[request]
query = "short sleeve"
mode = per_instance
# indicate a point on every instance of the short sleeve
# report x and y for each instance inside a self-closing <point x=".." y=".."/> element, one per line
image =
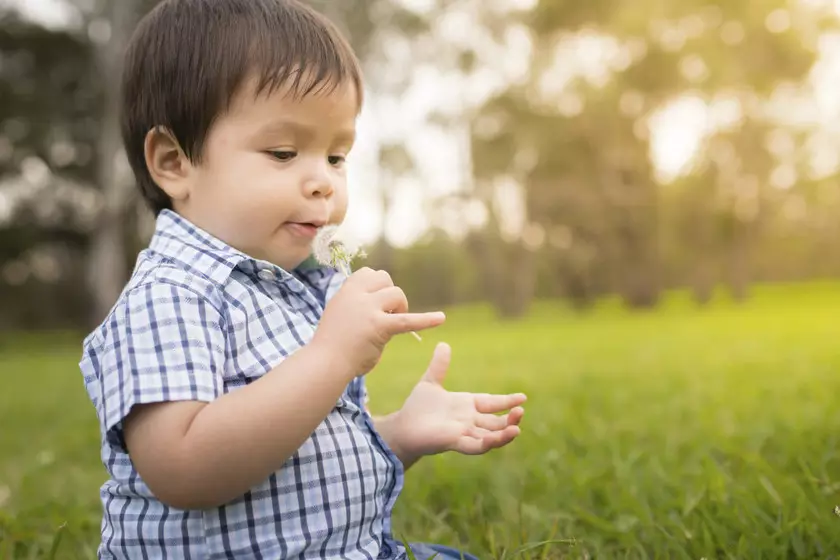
<point x="164" y="342"/>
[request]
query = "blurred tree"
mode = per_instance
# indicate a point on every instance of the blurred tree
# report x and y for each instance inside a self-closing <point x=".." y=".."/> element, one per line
<point x="109" y="28"/>
<point x="576" y="136"/>
<point x="558" y="102"/>
<point x="47" y="147"/>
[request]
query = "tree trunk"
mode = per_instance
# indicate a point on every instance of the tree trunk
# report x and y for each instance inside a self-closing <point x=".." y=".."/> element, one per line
<point x="518" y="281"/>
<point x="640" y="284"/>
<point x="703" y="280"/>
<point x="739" y="265"/>
<point x="107" y="257"/>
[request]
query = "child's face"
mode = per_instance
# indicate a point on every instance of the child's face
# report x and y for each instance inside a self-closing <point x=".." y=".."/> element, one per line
<point x="273" y="171"/>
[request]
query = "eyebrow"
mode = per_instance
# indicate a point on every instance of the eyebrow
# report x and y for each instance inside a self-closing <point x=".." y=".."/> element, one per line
<point x="301" y="130"/>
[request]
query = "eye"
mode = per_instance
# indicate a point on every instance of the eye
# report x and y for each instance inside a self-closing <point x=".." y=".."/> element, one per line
<point x="336" y="160"/>
<point x="283" y="155"/>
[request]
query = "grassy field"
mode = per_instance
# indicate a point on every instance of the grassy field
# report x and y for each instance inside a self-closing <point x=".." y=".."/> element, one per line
<point x="683" y="433"/>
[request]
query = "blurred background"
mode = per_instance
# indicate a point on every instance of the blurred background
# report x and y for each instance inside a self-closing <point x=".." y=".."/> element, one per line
<point x="629" y="209"/>
<point x="510" y="150"/>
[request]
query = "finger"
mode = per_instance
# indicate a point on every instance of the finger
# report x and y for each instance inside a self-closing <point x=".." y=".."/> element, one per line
<point x="392" y="300"/>
<point x="361" y="274"/>
<point x="497" y="403"/>
<point x="514" y="417"/>
<point x="371" y="280"/>
<point x="378" y="280"/>
<point x="494" y="423"/>
<point x="491" y="422"/>
<point x="502" y="438"/>
<point x="398" y="323"/>
<point x="476" y="432"/>
<point x="439" y="365"/>
<point x="470" y="445"/>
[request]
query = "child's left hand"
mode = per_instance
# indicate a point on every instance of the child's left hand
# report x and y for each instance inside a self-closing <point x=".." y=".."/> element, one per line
<point x="434" y="420"/>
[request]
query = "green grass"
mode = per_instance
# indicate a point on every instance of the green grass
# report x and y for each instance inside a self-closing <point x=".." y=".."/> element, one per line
<point x="680" y="433"/>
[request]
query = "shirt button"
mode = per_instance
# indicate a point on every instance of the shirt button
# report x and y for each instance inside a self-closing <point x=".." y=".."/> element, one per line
<point x="266" y="275"/>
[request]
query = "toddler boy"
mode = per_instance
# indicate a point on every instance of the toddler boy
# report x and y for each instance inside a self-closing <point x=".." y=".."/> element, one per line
<point x="228" y="379"/>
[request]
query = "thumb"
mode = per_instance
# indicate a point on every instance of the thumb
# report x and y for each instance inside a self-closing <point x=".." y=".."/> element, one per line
<point x="439" y="365"/>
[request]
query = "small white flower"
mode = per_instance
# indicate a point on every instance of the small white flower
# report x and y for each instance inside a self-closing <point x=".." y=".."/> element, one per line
<point x="321" y="245"/>
<point x="329" y="251"/>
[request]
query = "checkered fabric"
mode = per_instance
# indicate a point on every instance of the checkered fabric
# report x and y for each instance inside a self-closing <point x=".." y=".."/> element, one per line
<point x="199" y="319"/>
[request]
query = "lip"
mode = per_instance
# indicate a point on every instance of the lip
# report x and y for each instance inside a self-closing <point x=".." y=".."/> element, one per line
<point x="307" y="230"/>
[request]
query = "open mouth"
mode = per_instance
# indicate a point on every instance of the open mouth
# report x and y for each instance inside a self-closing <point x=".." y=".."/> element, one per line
<point x="304" y="229"/>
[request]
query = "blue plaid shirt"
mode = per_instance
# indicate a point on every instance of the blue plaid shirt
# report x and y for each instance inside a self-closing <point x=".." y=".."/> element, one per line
<point x="199" y="319"/>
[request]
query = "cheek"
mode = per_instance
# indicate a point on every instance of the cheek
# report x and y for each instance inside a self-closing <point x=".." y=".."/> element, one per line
<point x="247" y="200"/>
<point x="248" y="184"/>
<point x="341" y="197"/>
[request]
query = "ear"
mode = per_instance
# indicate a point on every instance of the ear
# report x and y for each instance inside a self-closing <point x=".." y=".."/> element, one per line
<point x="168" y="165"/>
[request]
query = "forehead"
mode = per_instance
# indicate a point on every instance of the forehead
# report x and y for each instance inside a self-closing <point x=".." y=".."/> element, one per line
<point x="327" y="100"/>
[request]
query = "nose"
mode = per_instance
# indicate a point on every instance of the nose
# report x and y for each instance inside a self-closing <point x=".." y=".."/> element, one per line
<point x="319" y="181"/>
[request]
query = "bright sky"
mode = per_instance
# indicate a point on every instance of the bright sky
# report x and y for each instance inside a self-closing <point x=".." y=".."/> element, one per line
<point x="675" y="135"/>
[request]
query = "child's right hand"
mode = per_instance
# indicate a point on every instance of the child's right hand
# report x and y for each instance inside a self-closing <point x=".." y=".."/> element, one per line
<point x="362" y="317"/>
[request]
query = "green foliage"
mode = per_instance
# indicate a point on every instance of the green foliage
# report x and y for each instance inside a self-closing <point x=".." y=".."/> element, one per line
<point x="682" y="433"/>
<point x="46" y="95"/>
<point x="433" y="272"/>
<point x="589" y="169"/>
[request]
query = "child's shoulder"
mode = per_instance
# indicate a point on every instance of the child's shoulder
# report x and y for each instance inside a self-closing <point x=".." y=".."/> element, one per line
<point x="181" y="271"/>
<point x="165" y="336"/>
<point x="158" y="288"/>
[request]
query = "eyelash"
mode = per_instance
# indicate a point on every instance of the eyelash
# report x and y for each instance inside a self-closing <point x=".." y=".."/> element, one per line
<point x="286" y="156"/>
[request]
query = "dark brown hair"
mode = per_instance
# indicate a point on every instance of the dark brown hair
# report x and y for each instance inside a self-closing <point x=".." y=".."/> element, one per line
<point x="188" y="59"/>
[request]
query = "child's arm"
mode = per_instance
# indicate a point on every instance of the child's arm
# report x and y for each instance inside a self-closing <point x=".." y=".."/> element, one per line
<point x="195" y="455"/>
